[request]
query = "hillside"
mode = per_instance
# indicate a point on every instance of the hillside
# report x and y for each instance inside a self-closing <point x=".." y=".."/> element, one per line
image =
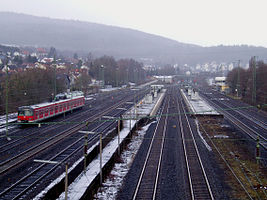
<point x="78" y="36"/>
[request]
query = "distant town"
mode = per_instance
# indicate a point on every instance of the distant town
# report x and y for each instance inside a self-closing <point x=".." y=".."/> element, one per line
<point x="58" y="71"/>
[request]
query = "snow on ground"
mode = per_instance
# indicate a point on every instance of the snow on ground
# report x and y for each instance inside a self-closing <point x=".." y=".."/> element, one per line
<point x="109" y="89"/>
<point x="11" y="118"/>
<point x="114" y="181"/>
<point x="117" y="88"/>
<point x="221" y="136"/>
<point x="200" y="106"/>
<point x="202" y="138"/>
<point x="88" y="98"/>
<point x="79" y="186"/>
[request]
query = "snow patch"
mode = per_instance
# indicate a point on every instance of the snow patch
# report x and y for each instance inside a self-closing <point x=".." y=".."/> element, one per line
<point x="112" y="184"/>
<point x="79" y="186"/>
<point x="221" y="136"/>
<point x="202" y="138"/>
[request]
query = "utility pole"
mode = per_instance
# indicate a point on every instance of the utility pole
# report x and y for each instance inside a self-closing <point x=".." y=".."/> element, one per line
<point x="117" y="81"/>
<point x="258" y="150"/>
<point x="103" y="74"/>
<point x="254" y="81"/>
<point x="130" y="120"/>
<point x="238" y="79"/>
<point x="100" y="150"/>
<point x="100" y="153"/>
<point x="55" y="71"/>
<point x="66" y="170"/>
<point x="66" y="182"/>
<point x="119" y="121"/>
<point x="99" y="73"/>
<point x="8" y="138"/>
<point x="85" y="150"/>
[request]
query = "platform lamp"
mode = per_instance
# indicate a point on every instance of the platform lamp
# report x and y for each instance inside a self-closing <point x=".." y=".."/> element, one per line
<point x="100" y="150"/>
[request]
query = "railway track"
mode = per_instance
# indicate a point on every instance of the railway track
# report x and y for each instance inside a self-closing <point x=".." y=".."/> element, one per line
<point x="246" y="116"/>
<point x="199" y="185"/>
<point x="66" y="134"/>
<point x="22" y="142"/>
<point x="147" y="184"/>
<point x="29" y="151"/>
<point x="19" y="189"/>
<point x="246" y="124"/>
<point x="19" y="136"/>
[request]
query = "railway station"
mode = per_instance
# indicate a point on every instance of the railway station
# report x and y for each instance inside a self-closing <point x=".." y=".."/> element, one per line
<point x="145" y="129"/>
<point x="118" y="100"/>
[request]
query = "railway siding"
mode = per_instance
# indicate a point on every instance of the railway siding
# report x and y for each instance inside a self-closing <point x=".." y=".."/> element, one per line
<point x="91" y="179"/>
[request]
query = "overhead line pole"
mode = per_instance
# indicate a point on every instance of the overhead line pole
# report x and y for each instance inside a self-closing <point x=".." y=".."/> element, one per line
<point x="254" y="81"/>
<point x="238" y="79"/>
<point x="55" y="71"/>
<point x="8" y="138"/>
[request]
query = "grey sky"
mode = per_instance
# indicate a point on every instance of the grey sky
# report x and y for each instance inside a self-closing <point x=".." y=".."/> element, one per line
<point x="203" y="22"/>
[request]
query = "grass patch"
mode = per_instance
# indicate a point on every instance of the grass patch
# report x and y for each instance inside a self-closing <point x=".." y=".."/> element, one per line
<point x="234" y="150"/>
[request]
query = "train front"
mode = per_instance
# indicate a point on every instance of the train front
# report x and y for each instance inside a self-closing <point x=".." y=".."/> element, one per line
<point x="25" y="114"/>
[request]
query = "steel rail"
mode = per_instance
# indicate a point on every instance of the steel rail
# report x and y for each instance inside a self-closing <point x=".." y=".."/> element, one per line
<point x="227" y="164"/>
<point x="190" y="174"/>
<point x="234" y="120"/>
<point x="4" y="169"/>
<point x="44" y="129"/>
<point x="250" y="117"/>
<point x="233" y="101"/>
<point x="137" y="188"/>
<point x="54" y="158"/>
<point x="90" y="140"/>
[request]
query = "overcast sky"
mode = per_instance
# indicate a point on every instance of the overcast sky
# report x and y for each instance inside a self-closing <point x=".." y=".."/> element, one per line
<point x="203" y="22"/>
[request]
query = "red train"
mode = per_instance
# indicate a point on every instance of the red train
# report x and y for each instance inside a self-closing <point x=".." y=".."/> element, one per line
<point x="63" y="103"/>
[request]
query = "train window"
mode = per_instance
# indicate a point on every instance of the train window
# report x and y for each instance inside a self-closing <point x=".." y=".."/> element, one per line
<point x="25" y="112"/>
<point x="21" y="113"/>
<point x="56" y="108"/>
<point x="28" y="113"/>
<point x="46" y="111"/>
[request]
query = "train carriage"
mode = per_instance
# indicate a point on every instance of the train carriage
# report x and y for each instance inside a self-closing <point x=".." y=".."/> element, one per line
<point x="62" y="104"/>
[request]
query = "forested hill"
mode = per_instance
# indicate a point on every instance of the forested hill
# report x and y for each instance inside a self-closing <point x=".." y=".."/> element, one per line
<point x="78" y="36"/>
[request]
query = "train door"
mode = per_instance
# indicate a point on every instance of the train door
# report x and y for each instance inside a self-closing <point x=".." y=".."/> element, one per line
<point x="41" y="114"/>
<point x="46" y="112"/>
<point x="51" y="110"/>
<point x="36" y="114"/>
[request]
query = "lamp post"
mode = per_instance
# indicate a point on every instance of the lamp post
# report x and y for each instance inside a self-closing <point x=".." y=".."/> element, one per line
<point x="102" y="74"/>
<point x="127" y="76"/>
<point x="66" y="171"/>
<point x="100" y="150"/>
<point x="254" y="63"/>
<point x="55" y="72"/>
<point x="117" y="71"/>
<point x="6" y="68"/>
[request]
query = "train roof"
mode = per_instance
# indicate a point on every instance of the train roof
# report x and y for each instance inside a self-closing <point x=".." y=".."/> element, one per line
<point x="72" y="95"/>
